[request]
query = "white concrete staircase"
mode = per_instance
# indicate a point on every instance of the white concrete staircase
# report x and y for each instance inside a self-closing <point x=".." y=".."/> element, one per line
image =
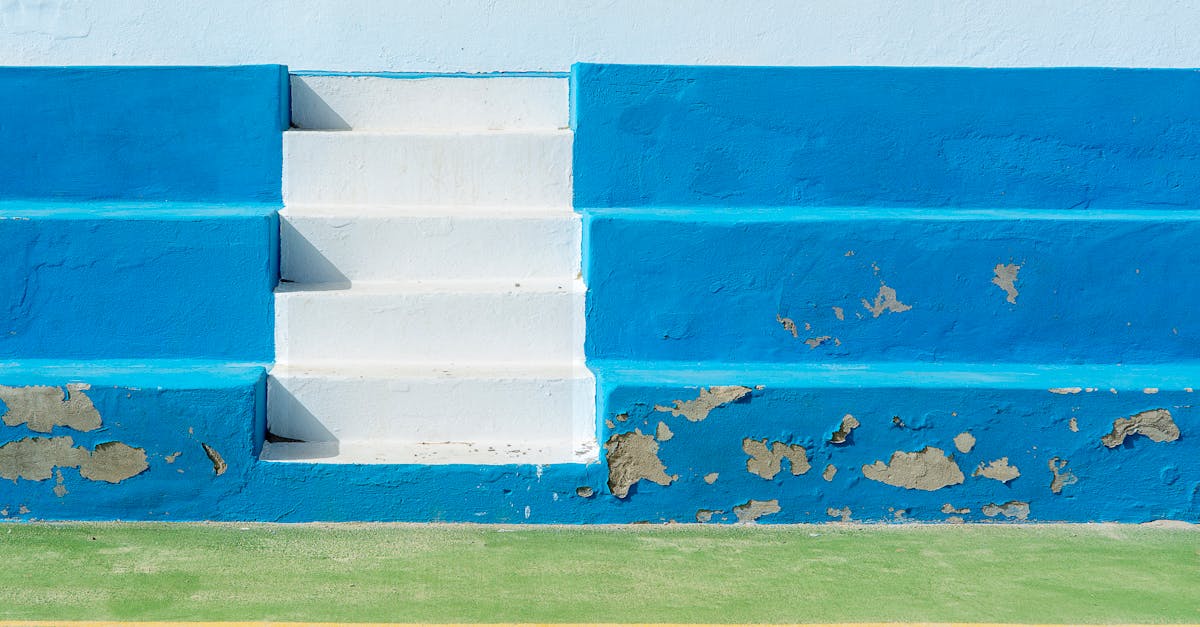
<point x="431" y="309"/>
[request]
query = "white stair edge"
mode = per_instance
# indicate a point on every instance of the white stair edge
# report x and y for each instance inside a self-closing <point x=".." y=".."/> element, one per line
<point x="372" y="102"/>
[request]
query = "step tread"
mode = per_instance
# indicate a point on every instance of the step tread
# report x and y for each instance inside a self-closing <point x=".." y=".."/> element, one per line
<point x="431" y="132"/>
<point x="551" y="370"/>
<point x="442" y="453"/>
<point x="376" y="211"/>
<point x="148" y="373"/>
<point x="354" y="289"/>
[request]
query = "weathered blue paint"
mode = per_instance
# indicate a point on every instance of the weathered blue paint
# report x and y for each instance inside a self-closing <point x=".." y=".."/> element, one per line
<point x="88" y="281"/>
<point x="714" y="285"/>
<point x="143" y="133"/>
<point x="654" y="136"/>
<point x="168" y="408"/>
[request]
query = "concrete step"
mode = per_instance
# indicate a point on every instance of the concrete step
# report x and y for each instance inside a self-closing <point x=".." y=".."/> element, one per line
<point x="322" y="244"/>
<point x="116" y="439"/>
<point x="518" y="413"/>
<point x="329" y="102"/>
<point x="430" y="322"/>
<point x="876" y="442"/>
<point x="827" y="284"/>
<point x="508" y="168"/>
<point x="137" y="280"/>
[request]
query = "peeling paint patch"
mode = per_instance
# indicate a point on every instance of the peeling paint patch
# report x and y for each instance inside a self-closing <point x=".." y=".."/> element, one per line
<point x="752" y="510"/>
<point x="60" y="490"/>
<point x="584" y="491"/>
<point x="927" y="469"/>
<point x="998" y="470"/>
<point x="1062" y="476"/>
<point x="663" y="433"/>
<point x="839" y="313"/>
<point x="706" y="515"/>
<point x="964" y="442"/>
<point x="35" y="459"/>
<point x="1155" y="424"/>
<point x="1065" y="390"/>
<point x="950" y="509"/>
<point x="219" y="465"/>
<point x="631" y="458"/>
<point x="843" y="513"/>
<point x="885" y="300"/>
<point x="1150" y="390"/>
<point x="1073" y="425"/>
<point x="711" y="478"/>
<point x="789" y="325"/>
<point x="113" y="462"/>
<point x="814" y="342"/>
<point x="766" y="462"/>
<point x="849" y="424"/>
<point x="829" y="472"/>
<point x="1006" y="278"/>
<point x="708" y="400"/>
<point x="170" y="459"/>
<point x="43" y="407"/>
<point x="1012" y="509"/>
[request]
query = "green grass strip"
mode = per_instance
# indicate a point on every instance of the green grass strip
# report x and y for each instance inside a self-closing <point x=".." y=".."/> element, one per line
<point x="398" y="573"/>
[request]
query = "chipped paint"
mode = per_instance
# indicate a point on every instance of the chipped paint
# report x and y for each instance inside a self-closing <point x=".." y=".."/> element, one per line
<point x="1005" y="279"/>
<point x="752" y="510"/>
<point x="839" y="313"/>
<point x="1149" y="390"/>
<point x="584" y="491"/>
<point x="113" y="462"/>
<point x="950" y="509"/>
<point x="849" y="424"/>
<point x="814" y="342"/>
<point x="36" y="459"/>
<point x="633" y="457"/>
<point x="218" y="462"/>
<point x="662" y="433"/>
<point x="842" y="513"/>
<point x="43" y="407"/>
<point x="1075" y="390"/>
<point x="767" y="462"/>
<point x="1012" y="509"/>
<point x="708" y="400"/>
<point x="829" y="472"/>
<point x="170" y="459"/>
<point x="998" y="469"/>
<point x="60" y="488"/>
<point x="789" y="325"/>
<point x="927" y="469"/>
<point x="964" y="442"/>
<point x="1155" y="424"/>
<point x="706" y="515"/>
<point x="711" y="478"/>
<point x="885" y="301"/>
<point x="1061" y="476"/>
<point x="1073" y="425"/>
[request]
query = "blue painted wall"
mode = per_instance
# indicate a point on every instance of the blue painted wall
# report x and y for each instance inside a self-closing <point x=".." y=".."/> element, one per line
<point x="720" y="285"/>
<point x="111" y="281"/>
<point x="154" y="134"/>
<point x="654" y="136"/>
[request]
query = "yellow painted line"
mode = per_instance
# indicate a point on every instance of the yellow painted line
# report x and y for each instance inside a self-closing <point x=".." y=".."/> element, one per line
<point x="32" y="623"/>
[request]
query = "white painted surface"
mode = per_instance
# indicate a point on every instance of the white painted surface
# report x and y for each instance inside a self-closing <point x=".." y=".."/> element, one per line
<point x="431" y="322"/>
<point x="435" y="414"/>
<point x="484" y="35"/>
<point x="373" y="103"/>
<point x="519" y="169"/>
<point x="338" y="244"/>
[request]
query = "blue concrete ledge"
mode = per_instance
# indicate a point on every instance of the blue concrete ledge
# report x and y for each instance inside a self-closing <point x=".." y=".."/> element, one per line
<point x="1045" y="138"/>
<point x="830" y="285"/>
<point x="138" y="280"/>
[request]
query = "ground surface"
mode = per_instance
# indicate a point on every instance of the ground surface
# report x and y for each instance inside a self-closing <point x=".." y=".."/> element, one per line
<point x="400" y="573"/>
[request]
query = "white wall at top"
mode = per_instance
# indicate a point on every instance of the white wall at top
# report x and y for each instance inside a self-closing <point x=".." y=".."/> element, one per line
<point x="549" y="35"/>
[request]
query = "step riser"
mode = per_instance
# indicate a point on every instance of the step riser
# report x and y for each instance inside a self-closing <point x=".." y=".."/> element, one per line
<point x="378" y="103"/>
<point x="423" y="409"/>
<point x="765" y="289"/>
<point x="501" y="327"/>
<point x="1005" y="417"/>
<point x="509" y="169"/>
<point x="328" y="249"/>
